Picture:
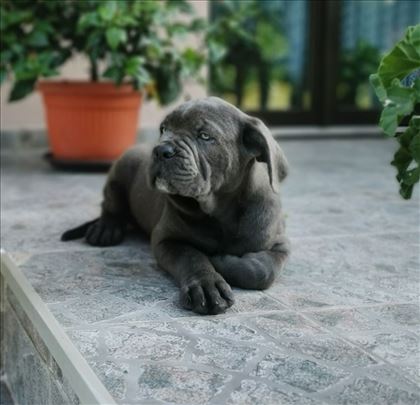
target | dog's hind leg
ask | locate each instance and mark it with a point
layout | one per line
(253, 271)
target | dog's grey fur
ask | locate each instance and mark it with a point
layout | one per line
(211, 206)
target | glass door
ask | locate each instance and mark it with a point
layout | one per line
(305, 62)
(266, 69)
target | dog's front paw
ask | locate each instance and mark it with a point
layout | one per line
(105, 232)
(208, 294)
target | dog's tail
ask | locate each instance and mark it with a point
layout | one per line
(79, 232)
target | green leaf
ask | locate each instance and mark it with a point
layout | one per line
(401, 97)
(108, 10)
(21, 89)
(411, 177)
(416, 88)
(168, 84)
(403, 58)
(379, 88)
(414, 147)
(406, 190)
(38, 39)
(198, 24)
(389, 120)
(192, 61)
(87, 20)
(402, 159)
(132, 65)
(398, 103)
(114, 73)
(142, 78)
(177, 28)
(115, 36)
(217, 51)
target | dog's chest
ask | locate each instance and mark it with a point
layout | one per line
(229, 231)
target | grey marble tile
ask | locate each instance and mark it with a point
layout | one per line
(367, 390)
(125, 272)
(50, 191)
(178, 385)
(295, 334)
(343, 321)
(137, 343)
(378, 317)
(27, 230)
(329, 349)
(91, 309)
(286, 325)
(393, 376)
(411, 369)
(223, 355)
(253, 301)
(350, 271)
(251, 392)
(306, 294)
(298, 372)
(392, 346)
(355, 214)
(235, 329)
(87, 341)
(113, 376)
(397, 316)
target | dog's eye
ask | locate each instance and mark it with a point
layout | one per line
(162, 129)
(204, 136)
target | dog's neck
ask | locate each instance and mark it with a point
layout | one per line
(216, 204)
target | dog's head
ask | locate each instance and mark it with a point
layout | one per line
(207, 145)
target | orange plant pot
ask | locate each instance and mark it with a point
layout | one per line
(90, 121)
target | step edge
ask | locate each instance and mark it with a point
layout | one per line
(80, 375)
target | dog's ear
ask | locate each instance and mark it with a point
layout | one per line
(259, 143)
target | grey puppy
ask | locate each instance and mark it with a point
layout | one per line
(207, 195)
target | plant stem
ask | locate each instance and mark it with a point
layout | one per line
(93, 70)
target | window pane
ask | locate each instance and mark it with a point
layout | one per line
(368, 30)
(266, 63)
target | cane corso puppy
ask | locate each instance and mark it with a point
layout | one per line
(207, 195)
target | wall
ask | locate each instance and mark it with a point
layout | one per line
(28, 114)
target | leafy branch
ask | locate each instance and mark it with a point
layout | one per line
(397, 86)
(140, 42)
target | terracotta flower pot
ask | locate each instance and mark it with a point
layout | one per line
(90, 121)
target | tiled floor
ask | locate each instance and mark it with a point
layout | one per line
(341, 324)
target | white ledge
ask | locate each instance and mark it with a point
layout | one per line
(81, 377)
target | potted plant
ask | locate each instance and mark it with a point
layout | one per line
(133, 49)
(397, 85)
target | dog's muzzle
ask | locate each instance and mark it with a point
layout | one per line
(164, 151)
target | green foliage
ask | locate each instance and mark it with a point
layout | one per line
(355, 66)
(125, 41)
(245, 38)
(400, 100)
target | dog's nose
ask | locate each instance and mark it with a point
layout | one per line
(164, 151)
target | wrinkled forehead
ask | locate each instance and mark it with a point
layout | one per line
(204, 114)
